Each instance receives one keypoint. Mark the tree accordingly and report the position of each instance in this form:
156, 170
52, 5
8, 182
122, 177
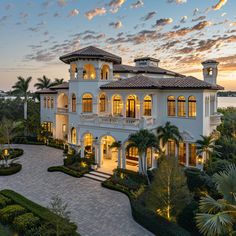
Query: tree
43, 83
168, 193
218, 217
168, 132
58, 81
142, 140
61, 209
21, 88
207, 145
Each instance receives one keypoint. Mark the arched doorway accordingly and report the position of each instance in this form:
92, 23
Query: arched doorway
130, 107
109, 155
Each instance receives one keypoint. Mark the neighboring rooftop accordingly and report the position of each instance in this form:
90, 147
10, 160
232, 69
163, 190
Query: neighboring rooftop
46, 91
64, 85
146, 59
90, 52
145, 82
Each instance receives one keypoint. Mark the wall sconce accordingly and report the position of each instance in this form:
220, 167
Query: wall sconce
200, 160
6, 152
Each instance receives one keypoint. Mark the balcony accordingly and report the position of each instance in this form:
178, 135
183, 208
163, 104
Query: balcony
62, 110
215, 119
117, 122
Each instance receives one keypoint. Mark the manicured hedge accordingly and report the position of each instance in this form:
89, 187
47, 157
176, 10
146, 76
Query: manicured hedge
15, 152
12, 169
67, 171
4, 201
41, 212
148, 219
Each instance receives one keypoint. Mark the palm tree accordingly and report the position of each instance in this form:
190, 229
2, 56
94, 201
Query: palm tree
117, 145
58, 81
207, 145
43, 83
21, 88
218, 217
142, 140
168, 132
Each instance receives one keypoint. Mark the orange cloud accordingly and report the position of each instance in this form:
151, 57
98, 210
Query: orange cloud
219, 5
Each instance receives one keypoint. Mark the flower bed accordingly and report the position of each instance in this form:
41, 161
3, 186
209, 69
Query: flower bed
12, 169
29, 218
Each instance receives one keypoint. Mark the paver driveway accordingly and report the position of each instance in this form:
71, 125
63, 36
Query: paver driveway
96, 210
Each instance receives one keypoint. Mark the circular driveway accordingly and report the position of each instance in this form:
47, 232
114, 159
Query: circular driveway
96, 210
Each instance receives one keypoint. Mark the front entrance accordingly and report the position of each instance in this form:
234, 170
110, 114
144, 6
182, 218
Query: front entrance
109, 156
130, 107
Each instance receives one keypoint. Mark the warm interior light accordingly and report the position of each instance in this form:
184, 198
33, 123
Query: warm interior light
5, 152
200, 160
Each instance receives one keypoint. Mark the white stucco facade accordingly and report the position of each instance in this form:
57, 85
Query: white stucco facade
122, 111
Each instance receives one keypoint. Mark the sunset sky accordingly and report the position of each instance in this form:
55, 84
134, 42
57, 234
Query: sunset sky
180, 33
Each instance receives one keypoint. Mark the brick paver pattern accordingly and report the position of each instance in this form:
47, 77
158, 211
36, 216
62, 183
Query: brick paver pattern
97, 211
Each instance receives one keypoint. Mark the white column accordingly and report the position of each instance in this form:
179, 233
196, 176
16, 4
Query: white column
80, 73
124, 107
140, 110
98, 73
82, 149
123, 157
100, 156
97, 152
187, 154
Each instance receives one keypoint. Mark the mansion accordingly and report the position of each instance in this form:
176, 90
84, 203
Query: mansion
106, 101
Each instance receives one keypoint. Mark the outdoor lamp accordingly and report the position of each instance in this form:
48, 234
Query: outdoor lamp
200, 160
5, 152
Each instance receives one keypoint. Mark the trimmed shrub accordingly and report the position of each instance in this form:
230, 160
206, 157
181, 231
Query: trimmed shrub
12, 169
4, 201
8, 213
68, 171
25, 222
15, 152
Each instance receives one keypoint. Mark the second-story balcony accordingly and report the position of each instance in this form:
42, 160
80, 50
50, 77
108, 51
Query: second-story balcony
215, 119
117, 122
62, 110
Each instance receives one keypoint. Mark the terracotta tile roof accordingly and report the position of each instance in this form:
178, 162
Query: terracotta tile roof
46, 91
119, 68
90, 52
64, 85
145, 82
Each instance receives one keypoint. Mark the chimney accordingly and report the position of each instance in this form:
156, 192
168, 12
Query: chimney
210, 71
146, 61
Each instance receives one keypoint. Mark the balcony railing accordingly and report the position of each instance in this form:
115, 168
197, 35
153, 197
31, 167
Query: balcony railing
118, 122
62, 110
215, 119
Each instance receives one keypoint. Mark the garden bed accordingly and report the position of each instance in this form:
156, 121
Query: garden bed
28, 218
12, 169
67, 171
133, 185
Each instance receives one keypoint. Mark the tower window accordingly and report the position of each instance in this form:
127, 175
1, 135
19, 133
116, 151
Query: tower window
209, 71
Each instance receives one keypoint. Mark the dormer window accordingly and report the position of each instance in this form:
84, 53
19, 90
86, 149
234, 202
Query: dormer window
105, 72
209, 71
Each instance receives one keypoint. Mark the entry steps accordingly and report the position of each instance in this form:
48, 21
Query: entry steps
97, 175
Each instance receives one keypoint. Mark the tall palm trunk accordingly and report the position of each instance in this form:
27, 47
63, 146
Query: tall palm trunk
25, 109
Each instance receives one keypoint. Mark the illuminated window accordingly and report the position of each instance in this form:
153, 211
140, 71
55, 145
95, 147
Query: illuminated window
192, 106
171, 148
171, 105
89, 72
117, 105
181, 106
45, 102
52, 103
182, 153
130, 107
73, 135
210, 71
105, 72
192, 154
103, 102
149, 157
64, 128
47, 126
73, 103
48, 102
87, 103
88, 142
133, 152
147, 106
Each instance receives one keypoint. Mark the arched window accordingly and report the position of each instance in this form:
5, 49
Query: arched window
103, 103
130, 107
73, 135
133, 152
181, 106
88, 142
105, 72
171, 105
182, 153
48, 102
87, 103
73, 71
52, 103
147, 106
73, 104
117, 105
171, 147
45, 102
192, 154
89, 72
192, 106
